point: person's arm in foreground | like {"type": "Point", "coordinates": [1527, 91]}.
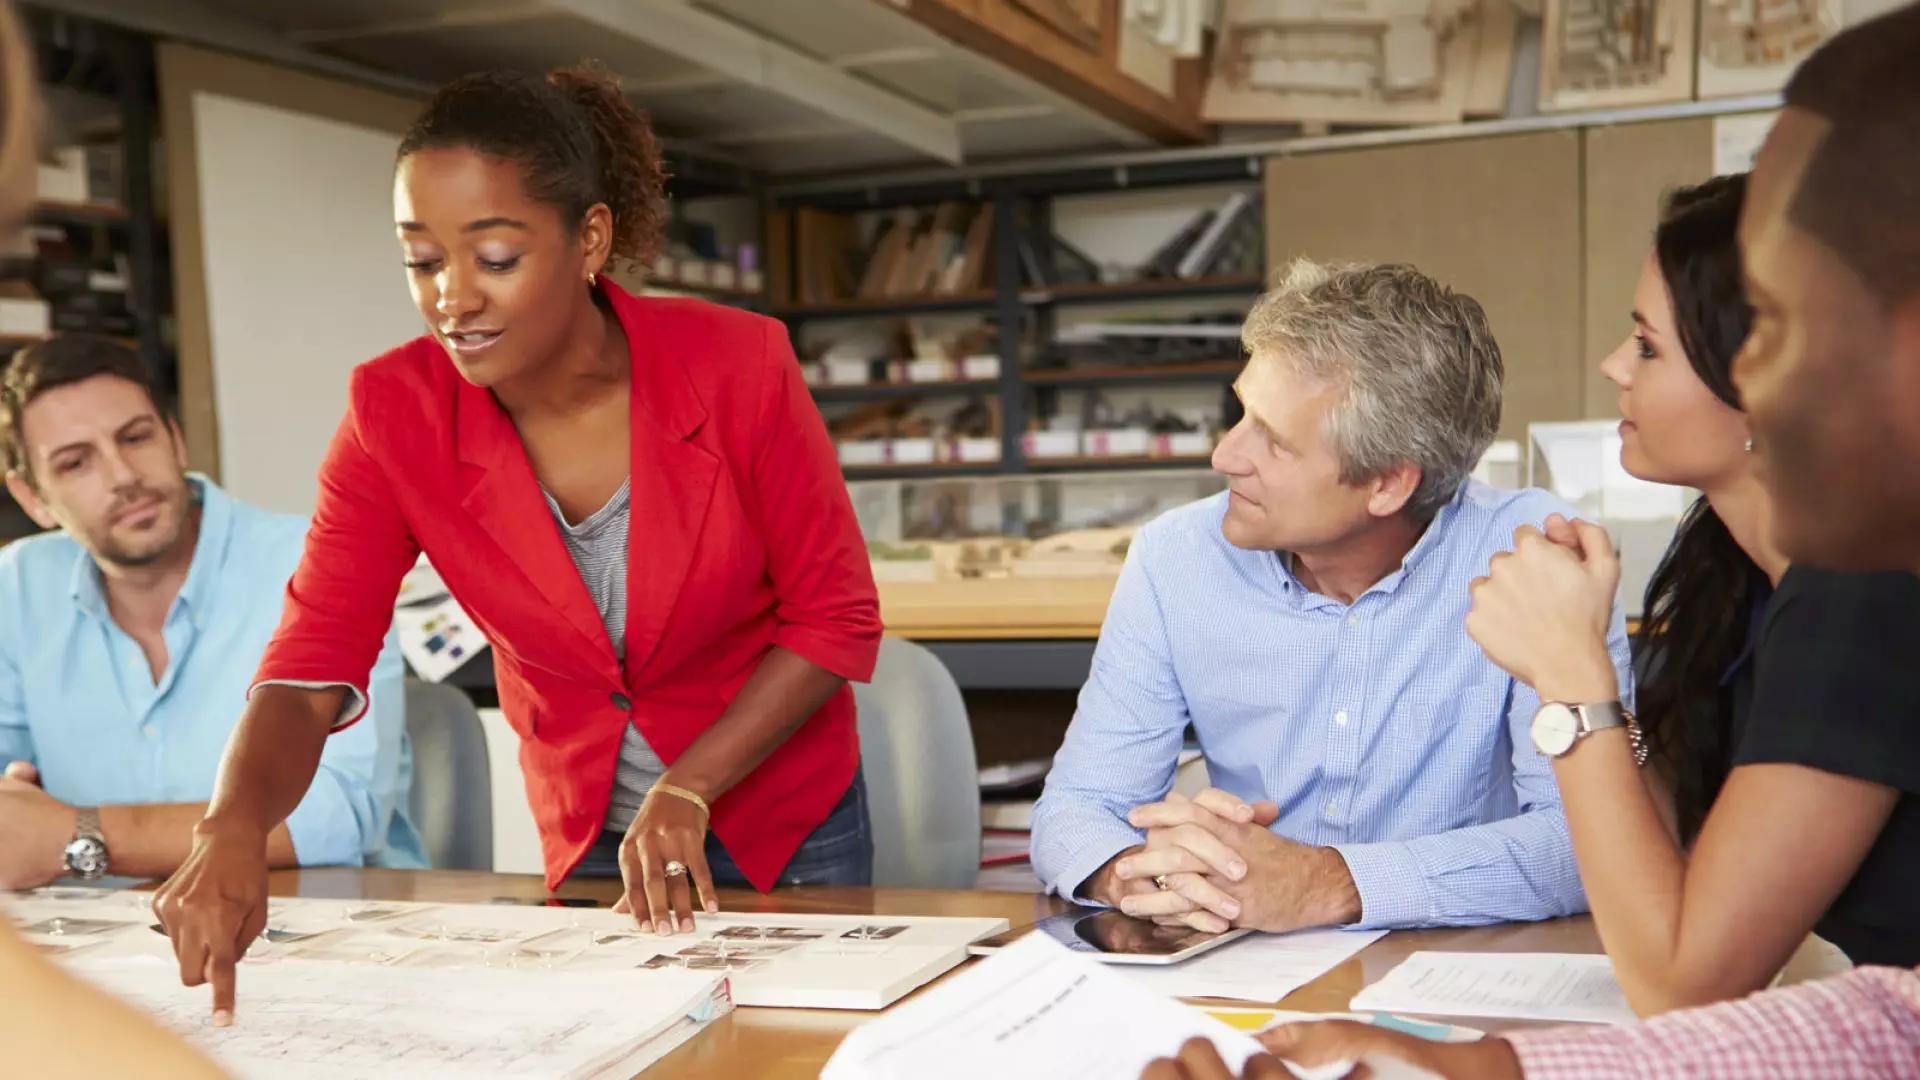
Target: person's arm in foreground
{"type": "Point", "coordinates": [338, 608]}
{"type": "Point", "coordinates": [55, 1024]}
{"type": "Point", "coordinates": [1864, 1024]}
{"type": "Point", "coordinates": [1779, 844]}
{"type": "Point", "coordinates": [828, 633]}
{"type": "Point", "coordinates": [1120, 752]}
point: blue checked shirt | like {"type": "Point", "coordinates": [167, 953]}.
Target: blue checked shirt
{"type": "Point", "coordinates": [78, 699]}
{"type": "Point", "coordinates": [1380, 729]}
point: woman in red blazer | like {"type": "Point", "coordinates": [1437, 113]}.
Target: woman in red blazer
{"type": "Point", "coordinates": [695, 672]}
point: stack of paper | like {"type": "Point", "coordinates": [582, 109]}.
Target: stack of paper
{"type": "Point", "coordinates": [1258, 967]}
{"type": "Point", "coordinates": [1032, 1011]}
{"type": "Point", "coordinates": [304, 1019]}
{"type": "Point", "coordinates": [786, 961]}
{"type": "Point", "coordinates": [1514, 986]}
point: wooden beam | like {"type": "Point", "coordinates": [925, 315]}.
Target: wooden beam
{"type": "Point", "coordinates": [1006, 35]}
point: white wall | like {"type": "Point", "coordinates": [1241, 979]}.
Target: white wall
{"type": "Point", "coordinates": [304, 281]}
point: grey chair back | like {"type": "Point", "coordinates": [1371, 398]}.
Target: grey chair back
{"type": "Point", "coordinates": [452, 799]}
{"type": "Point", "coordinates": [923, 780]}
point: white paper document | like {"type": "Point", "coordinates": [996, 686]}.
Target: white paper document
{"type": "Point", "coordinates": [787, 961]}
{"type": "Point", "coordinates": [1032, 1011]}
{"type": "Point", "coordinates": [308, 1020]}
{"type": "Point", "coordinates": [1258, 967]}
{"type": "Point", "coordinates": [1513, 986]}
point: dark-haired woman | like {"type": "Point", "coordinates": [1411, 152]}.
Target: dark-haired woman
{"type": "Point", "coordinates": [1779, 702]}
{"type": "Point", "coordinates": [634, 499]}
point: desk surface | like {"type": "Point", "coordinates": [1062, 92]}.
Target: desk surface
{"type": "Point", "coordinates": [788, 1044]}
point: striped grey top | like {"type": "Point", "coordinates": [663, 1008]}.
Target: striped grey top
{"type": "Point", "coordinates": [599, 549]}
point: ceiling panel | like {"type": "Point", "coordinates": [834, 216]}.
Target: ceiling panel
{"type": "Point", "coordinates": [826, 28]}
{"type": "Point", "coordinates": [538, 44]}
{"type": "Point", "coordinates": [831, 85]}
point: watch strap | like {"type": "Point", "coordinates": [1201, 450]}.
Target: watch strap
{"type": "Point", "coordinates": [86, 825]}
{"type": "Point", "coordinates": [1601, 715]}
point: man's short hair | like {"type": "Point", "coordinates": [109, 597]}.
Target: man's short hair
{"type": "Point", "coordinates": [1860, 193]}
{"type": "Point", "coordinates": [1418, 366]}
{"type": "Point", "coordinates": [59, 361]}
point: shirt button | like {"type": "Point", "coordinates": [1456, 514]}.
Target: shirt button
{"type": "Point", "coordinates": [147, 730]}
{"type": "Point", "coordinates": [1340, 718]}
{"type": "Point", "coordinates": [1353, 620]}
{"type": "Point", "coordinates": [621, 702]}
{"type": "Point", "coordinates": [1333, 809]}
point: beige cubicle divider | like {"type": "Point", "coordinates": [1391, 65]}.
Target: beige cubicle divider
{"type": "Point", "coordinates": [1629, 169]}
{"type": "Point", "coordinates": [185, 72]}
{"type": "Point", "coordinates": [1497, 217]}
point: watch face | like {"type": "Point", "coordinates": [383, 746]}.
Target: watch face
{"type": "Point", "coordinates": [1554, 729]}
{"type": "Point", "coordinates": [87, 858]}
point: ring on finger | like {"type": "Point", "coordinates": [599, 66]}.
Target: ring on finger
{"type": "Point", "coordinates": [1160, 882]}
{"type": "Point", "coordinates": [675, 868]}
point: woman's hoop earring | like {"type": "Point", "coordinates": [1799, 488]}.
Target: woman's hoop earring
{"type": "Point", "coordinates": [594, 279]}
{"type": "Point", "coordinates": [1749, 444]}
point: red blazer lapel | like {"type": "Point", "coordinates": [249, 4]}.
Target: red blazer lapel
{"type": "Point", "coordinates": [505, 500]}
{"type": "Point", "coordinates": [673, 478]}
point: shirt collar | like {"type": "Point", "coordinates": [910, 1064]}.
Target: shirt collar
{"type": "Point", "coordinates": [209, 552]}
{"type": "Point", "coordinates": [1429, 539]}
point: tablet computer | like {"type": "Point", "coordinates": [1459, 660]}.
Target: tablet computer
{"type": "Point", "coordinates": [1115, 938]}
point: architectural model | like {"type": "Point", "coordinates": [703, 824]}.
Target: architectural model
{"type": "Point", "coordinates": [1607, 53]}
{"type": "Point", "coordinates": [1751, 46]}
{"type": "Point", "coordinates": [1359, 61]}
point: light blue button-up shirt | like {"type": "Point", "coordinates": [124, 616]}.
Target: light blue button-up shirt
{"type": "Point", "coordinates": [1379, 728]}
{"type": "Point", "coordinates": [78, 700]}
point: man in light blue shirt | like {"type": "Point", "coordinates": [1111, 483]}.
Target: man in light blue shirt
{"type": "Point", "coordinates": [1372, 767]}
{"type": "Point", "coordinates": [128, 641]}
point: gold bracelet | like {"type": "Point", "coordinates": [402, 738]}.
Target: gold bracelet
{"type": "Point", "coordinates": [680, 792]}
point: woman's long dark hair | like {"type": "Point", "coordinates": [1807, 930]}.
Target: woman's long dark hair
{"type": "Point", "coordinates": [1699, 603]}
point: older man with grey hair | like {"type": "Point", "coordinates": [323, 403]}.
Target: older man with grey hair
{"type": "Point", "coordinates": [1370, 766]}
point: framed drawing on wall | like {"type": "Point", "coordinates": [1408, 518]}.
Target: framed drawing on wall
{"type": "Point", "coordinates": [1365, 62]}
{"type": "Point", "coordinates": [1752, 46]}
{"type": "Point", "coordinates": [1600, 54]}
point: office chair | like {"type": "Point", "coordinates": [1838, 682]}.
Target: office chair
{"type": "Point", "coordinates": [451, 803]}
{"type": "Point", "coordinates": [923, 780]}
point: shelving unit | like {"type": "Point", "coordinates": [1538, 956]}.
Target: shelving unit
{"type": "Point", "coordinates": [116, 64]}
{"type": "Point", "coordinates": [1022, 216]}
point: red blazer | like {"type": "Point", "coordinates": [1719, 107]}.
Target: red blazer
{"type": "Point", "coordinates": [743, 537]}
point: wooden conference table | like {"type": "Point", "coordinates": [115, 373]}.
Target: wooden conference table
{"type": "Point", "coordinates": [788, 1044]}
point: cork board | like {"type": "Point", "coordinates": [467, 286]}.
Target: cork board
{"type": "Point", "coordinates": [1628, 170]}
{"type": "Point", "coordinates": [1498, 218]}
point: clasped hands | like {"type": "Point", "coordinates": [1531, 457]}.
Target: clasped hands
{"type": "Point", "coordinates": [1222, 867]}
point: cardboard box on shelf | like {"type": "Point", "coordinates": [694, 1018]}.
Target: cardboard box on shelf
{"type": "Point", "coordinates": [845, 372]}
{"type": "Point", "coordinates": [980, 366]}
{"type": "Point", "coordinates": [1119, 442]}
{"type": "Point", "coordinates": [979, 450]}
{"type": "Point", "coordinates": [928, 369]}
{"type": "Point", "coordinates": [1052, 444]}
{"type": "Point", "coordinates": [22, 312]}
{"type": "Point", "coordinates": [64, 179]}
{"type": "Point", "coordinates": [1183, 444]}
{"type": "Point", "coordinates": [911, 452]}
{"type": "Point", "coordinates": [857, 452]}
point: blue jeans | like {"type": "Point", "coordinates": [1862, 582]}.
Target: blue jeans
{"type": "Point", "coordinates": [839, 852]}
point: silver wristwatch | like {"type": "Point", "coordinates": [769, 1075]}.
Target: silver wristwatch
{"type": "Point", "coordinates": [86, 854]}
{"type": "Point", "coordinates": [1558, 726]}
